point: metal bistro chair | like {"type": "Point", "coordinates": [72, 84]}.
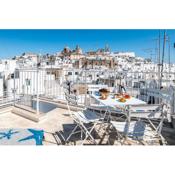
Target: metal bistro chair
{"type": "Point", "coordinates": [85, 119]}
{"type": "Point", "coordinates": [138, 129]}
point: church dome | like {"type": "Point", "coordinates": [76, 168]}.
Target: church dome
{"type": "Point", "coordinates": [66, 50]}
{"type": "Point", "coordinates": [78, 50]}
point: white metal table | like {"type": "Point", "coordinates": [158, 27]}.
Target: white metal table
{"type": "Point", "coordinates": [115, 104]}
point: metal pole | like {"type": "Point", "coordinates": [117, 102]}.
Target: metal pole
{"type": "Point", "coordinates": [163, 54]}
{"type": "Point", "coordinates": [159, 59]}
{"type": "Point", "coordinates": [37, 102]}
{"type": "Point", "coordinates": [169, 57]}
{"type": "Point", "coordinates": [14, 87]}
{"type": "Point", "coordinates": [85, 88]}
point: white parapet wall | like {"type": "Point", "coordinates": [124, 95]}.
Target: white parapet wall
{"type": "Point", "coordinates": [1, 87]}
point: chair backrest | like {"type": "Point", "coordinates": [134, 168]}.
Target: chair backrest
{"type": "Point", "coordinates": [146, 111]}
{"type": "Point", "coordinates": [150, 111]}
{"type": "Point", "coordinates": [66, 86]}
{"type": "Point", "coordinates": [71, 98]}
{"type": "Point", "coordinates": [73, 101]}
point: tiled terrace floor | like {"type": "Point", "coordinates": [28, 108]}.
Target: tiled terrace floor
{"type": "Point", "coordinates": [54, 122]}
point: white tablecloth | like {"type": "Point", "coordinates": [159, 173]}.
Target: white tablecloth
{"type": "Point", "coordinates": [110, 101]}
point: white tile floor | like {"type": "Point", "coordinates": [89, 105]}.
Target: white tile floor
{"type": "Point", "coordinates": [51, 124]}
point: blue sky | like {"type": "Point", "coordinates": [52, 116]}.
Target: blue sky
{"type": "Point", "coordinates": [15, 42]}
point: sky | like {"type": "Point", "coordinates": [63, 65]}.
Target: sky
{"type": "Point", "coordinates": [142, 42]}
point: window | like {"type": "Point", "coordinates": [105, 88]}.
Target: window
{"type": "Point", "coordinates": [76, 73]}
{"type": "Point", "coordinates": [69, 73]}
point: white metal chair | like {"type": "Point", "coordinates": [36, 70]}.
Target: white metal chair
{"type": "Point", "coordinates": [135, 129]}
{"type": "Point", "coordinates": [138, 129]}
{"type": "Point", "coordinates": [85, 119]}
{"type": "Point", "coordinates": [150, 112]}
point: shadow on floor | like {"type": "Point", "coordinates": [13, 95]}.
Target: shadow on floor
{"type": "Point", "coordinates": [61, 136]}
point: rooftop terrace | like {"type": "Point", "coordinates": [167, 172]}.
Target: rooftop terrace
{"type": "Point", "coordinates": [57, 120]}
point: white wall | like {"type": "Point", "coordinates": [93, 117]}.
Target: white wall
{"type": "Point", "coordinates": [1, 87]}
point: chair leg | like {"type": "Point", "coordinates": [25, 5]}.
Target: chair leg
{"type": "Point", "coordinates": [102, 125]}
{"type": "Point", "coordinates": [119, 137]}
{"type": "Point", "coordinates": [72, 133]}
{"type": "Point", "coordinates": [81, 135]}
{"type": "Point", "coordinates": [88, 134]}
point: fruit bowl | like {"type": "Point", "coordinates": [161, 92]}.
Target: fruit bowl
{"type": "Point", "coordinates": [103, 97]}
{"type": "Point", "coordinates": [122, 100]}
{"type": "Point", "coordinates": [104, 93]}
{"type": "Point", "coordinates": [104, 90]}
{"type": "Point", "coordinates": [126, 96]}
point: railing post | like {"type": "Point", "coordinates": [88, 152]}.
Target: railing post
{"type": "Point", "coordinates": [128, 113]}
{"type": "Point", "coordinates": [85, 102]}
